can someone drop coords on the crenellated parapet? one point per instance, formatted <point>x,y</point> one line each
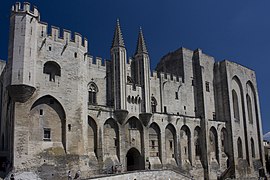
<point>26,7</point>
<point>165,77</point>
<point>63,36</point>
<point>97,63</point>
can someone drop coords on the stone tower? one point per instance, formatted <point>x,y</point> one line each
<point>22,50</point>
<point>118,56</point>
<point>143,71</point>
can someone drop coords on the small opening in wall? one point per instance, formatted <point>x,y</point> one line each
<point>153,144</point>
<point>75,55</point>
<point>171,144</point>
<point>115,142</point>
<point>172,155</point>
<point>41,112</point>
<point>50,48</point>
<point>69,127</point>
<point>176,95</point>
<point>46,134</point>
<point>165,109</point>
<point>207,86</point>
<point>184,107</point>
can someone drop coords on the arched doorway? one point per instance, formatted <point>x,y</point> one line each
<point>134,160</point>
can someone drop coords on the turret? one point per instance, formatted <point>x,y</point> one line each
<point>118,56</point>
<point>22,51</point>
<point>142,71</point>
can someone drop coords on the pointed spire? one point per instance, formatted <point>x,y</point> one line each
<point>141,47</point>
<point>118,38</point>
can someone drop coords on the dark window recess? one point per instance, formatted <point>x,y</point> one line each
<point>172,155</point>
<point>192,82</point>
<point>214,116</point>
<point>69,127</point>
<point>115,142</point>
<point>184,107</point>
<point>176,95</point>
<point>75,55</point>
<point>92,93</point>
<point>42,33</point>
<point>165,109</point>
<point>50,48</point>
<point>53,69</point>
<point>207,86</point>
<point>153,144</point>
<point>41,112</point>
<point>47,134</point>
<point>171,144</point>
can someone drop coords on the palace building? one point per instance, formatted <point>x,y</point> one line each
<point>62,109</point>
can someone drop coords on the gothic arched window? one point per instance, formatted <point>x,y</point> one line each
<point>239,147</point>
<point>92,93</point>
<point>249,106</point>
<point>235,106</point>
<point>153,104</point>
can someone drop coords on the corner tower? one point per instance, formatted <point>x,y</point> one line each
<point>118,56</point>
<point>22,51</point>
<point>142,74</point>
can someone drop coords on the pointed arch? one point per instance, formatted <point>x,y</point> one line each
<point>235,106</point>
<point>224,140</point>
<point>249,108</point>
<point>154,140</point>
<point>197,142</point>
<point>239,148</point>
<point>111,138</point>
<point>53,120</point>
<point>92,93</point>
<point>134,133</point>
<point>213,139</point>
<point>170,142</point>
<point>92,136</point>
<point>185,142</point>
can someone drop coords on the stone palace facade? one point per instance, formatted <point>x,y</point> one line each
<point>61,109</point>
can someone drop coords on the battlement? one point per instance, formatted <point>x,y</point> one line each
<point>97,62</point>
<point>166,76</point>
<point>66,36</point>
<point>26,7</point>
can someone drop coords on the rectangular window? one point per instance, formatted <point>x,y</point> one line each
<point>115,142</point>
<point>207,86</point>
<point>153,144</point>
<point>46,134</point>
<point>171,144</point>
<point>41,112</point>
<point>192,82</point>
<point>165,109</point>
<point>176,95</point>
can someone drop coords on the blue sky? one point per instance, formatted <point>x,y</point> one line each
<point>235,30</point>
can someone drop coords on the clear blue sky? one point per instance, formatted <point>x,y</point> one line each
<point>233,30</point>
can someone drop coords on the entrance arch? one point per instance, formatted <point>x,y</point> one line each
<point>134,160</point>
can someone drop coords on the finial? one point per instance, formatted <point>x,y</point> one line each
<point>118,40</point>
<point>141,47</point>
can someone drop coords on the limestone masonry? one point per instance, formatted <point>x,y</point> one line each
<point>64,110</point>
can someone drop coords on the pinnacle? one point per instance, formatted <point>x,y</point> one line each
<point>118,40</point>
<point>141,47</point>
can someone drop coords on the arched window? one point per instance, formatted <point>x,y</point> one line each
<point>249,106</point>
<point>252,148</point>
<point>153,104</point>
<point>197,135</point>
<point>239,147</point>
<point>235,106</point>
<point>92,93</point>
<point>53,69</point>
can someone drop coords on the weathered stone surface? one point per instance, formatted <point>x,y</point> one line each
<point>65,110</point>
